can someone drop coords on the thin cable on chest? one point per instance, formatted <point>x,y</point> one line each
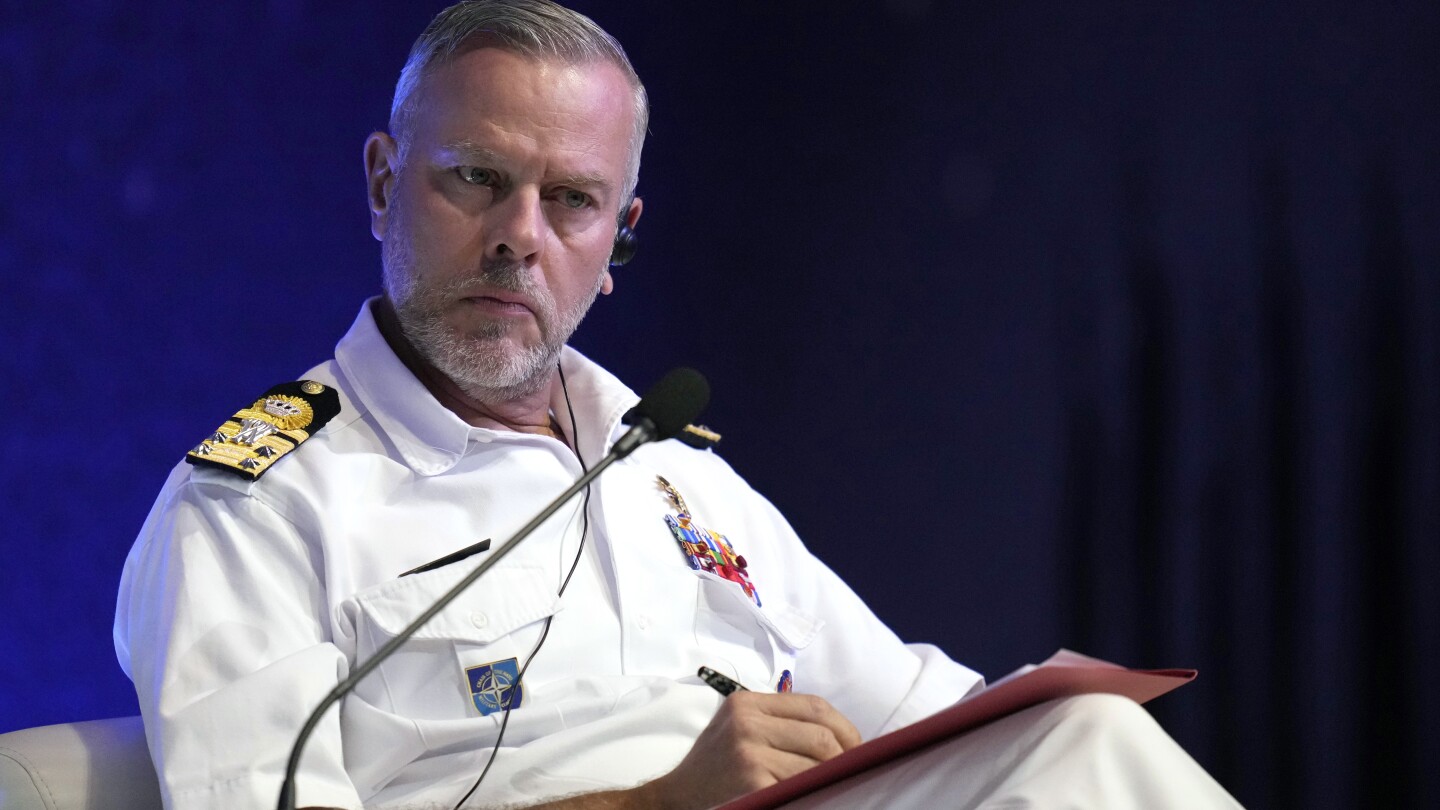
<point>544,631</point>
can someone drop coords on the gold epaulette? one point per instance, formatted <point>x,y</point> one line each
<point>696,436</point>
<point>699,437</point>
<point>251,441</point>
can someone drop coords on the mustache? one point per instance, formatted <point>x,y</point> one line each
<point>495,274</point>
<point>504,274</point>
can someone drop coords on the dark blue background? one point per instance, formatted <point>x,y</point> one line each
<point>1105,325</point>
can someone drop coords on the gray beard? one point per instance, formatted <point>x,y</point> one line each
<point>481,363</point>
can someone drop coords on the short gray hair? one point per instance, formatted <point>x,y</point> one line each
<point>535,28</point>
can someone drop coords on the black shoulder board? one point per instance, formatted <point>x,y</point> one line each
<point>696,436</point>
<point>251,441</point>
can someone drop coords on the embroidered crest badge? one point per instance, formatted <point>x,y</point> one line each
<point>495,687</point>
<point>706,550</point>
<point>251,441</point>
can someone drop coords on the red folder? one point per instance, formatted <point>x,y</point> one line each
<point>1064,674</point>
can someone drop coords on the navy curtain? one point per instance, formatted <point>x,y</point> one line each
<point>1110,326</point>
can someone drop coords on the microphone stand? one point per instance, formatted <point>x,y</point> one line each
<point>645,430</point>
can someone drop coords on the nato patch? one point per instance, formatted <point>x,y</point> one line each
<point>495,687</point>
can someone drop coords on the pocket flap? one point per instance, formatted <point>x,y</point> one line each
<point>506,598</point>
<point>793,626</point>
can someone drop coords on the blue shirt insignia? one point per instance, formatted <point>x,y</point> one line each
<point>495,686</point>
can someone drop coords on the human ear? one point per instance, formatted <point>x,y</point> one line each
<point>382,161</point>
<point>632,216</point>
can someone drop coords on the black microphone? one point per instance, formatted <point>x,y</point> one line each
<point>663,412</point>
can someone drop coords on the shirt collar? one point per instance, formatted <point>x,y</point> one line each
<point>430,437</point>
<point>599,400</point>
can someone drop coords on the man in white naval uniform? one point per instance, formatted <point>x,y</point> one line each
<point>509,166</point>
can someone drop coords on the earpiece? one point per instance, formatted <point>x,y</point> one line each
<point>626,243</point>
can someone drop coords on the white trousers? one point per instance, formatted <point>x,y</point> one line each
<point>1091,751</point>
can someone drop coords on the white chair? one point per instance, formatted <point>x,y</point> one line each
<point>78,766</point>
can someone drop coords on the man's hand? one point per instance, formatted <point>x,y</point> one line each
<point>754,741</point>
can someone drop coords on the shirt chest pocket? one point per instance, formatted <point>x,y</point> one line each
<point>498,619</point>
<point>757,643</point>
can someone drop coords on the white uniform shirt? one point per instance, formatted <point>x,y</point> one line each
<point>242,603</point>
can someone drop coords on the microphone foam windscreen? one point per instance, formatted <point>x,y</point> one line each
<point>675,401</point>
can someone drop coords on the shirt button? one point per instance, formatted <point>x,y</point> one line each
<point>642,622</point>
<point>480,620</point>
